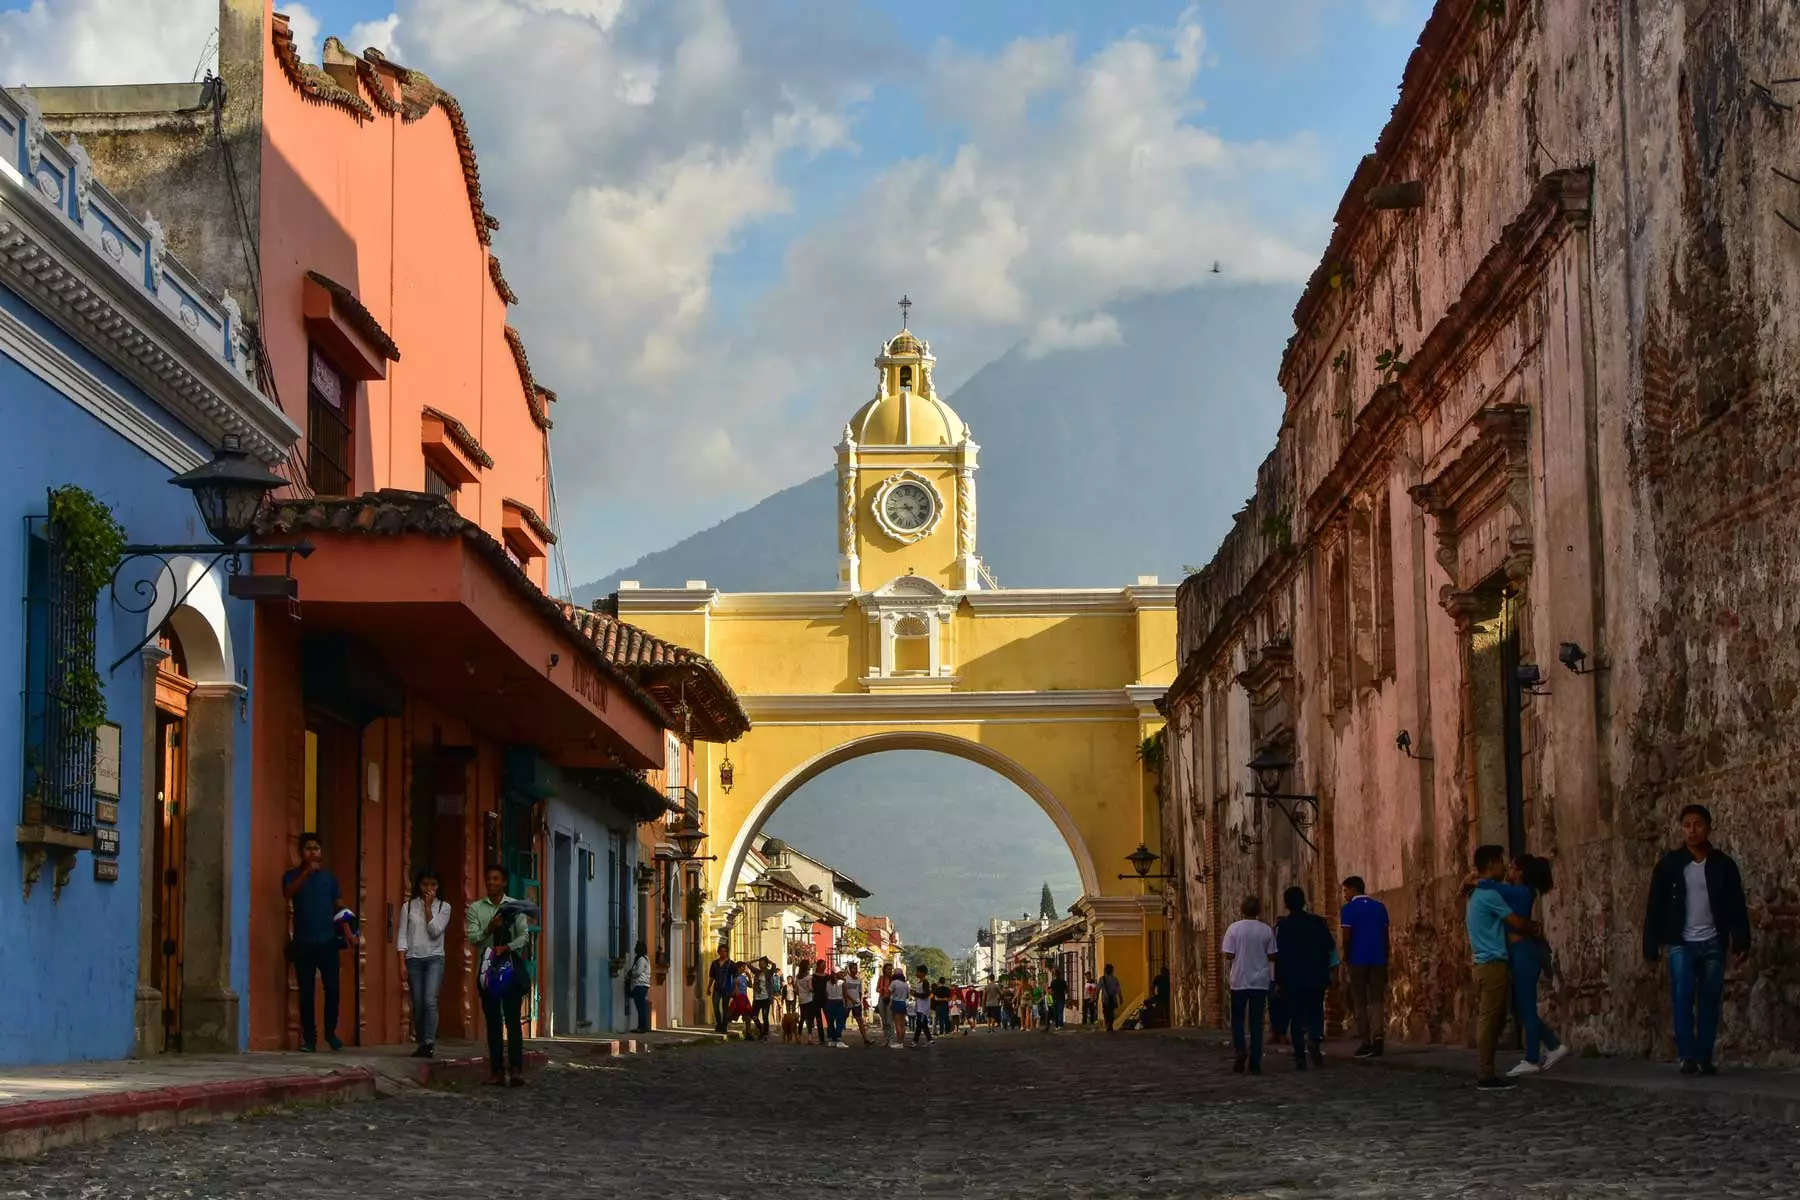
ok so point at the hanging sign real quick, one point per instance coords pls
(106, 763)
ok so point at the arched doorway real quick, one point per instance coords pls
(189, 818)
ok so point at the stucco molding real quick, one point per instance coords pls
(47, 261)
(1492, 469)
(1112, 703)
(887, 487)
(1069, 602)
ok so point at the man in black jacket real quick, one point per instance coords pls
(1697, 910)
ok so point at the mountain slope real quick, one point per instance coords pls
(1096, 465)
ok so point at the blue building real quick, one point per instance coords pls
(126, 742)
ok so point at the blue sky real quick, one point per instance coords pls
(709, 206)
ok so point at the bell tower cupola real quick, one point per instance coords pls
(906, 477)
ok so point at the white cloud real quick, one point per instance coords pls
(1054, 334)
(378, 34)
(305, 28)
(631, 149)
(52, 42)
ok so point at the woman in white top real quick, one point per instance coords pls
(898, 991)
(421, 946)
(853, 1000)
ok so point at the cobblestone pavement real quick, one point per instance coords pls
(989, 1115)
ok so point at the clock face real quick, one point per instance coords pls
(908, 507)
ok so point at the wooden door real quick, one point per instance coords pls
(173, 688)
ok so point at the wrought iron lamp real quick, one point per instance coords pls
(229, 491)
(1269, 765)
(687, 836)
(1141, 860)
(725, 773)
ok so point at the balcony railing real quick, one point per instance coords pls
(685, 799)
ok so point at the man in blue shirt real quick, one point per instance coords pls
(1364, 921)
(1488, 916)
(317, 899)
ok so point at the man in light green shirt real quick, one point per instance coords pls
(508, 934)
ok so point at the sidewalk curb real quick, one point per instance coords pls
(434, 1072)
(30, 1128)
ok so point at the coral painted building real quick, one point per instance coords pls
(422, 702)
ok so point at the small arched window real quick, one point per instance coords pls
(905, 377)
(912, 645)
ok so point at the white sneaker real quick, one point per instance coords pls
(1525, 1067)
(896, 1046)
(1552, 1057)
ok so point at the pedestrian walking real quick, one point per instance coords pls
(719, 975)
(922, 1006)
(1111, 992)
(743, 1001)
(1488, 917)
(836, 1011)
(899, 994)
(1059, 999)
(316, 939)
(1302, 973)
(803, 992)
(637, 982)
(853, 1001)
(768, 990)
(1697, 911)
(940, 1005)
(496, 923)
(421, 945)
(991, 1001)
(1527, 879)
(1364, 921)
(1249, 946)
(821, 984)
(1090, 1000)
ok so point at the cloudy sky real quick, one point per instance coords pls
(711, 206)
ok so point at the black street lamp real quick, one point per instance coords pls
(1141, 860)
(229, 491)
(1269, 765)
(687, 836)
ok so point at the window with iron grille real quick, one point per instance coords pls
(59, 639)
(330, 406)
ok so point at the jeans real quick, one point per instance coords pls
(1110, 1007)
(1278, 1015)
(1368, 997)
(640, 1000)
(1527, 959)
(940, 1015)
(1056, 1013)
(921, 1027)
(762, 1013)
(424, 976)
(812, 1018)
(505, 1019)
(1247, 1018)
(1696, 974)
(836, 1016)
(1306, 1018)
(721, 1011)
(320, 959)
(1491, 980)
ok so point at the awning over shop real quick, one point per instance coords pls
(456, 620)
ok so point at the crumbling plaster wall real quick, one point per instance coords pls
(1651, 340)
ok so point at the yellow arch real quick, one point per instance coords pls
(963, 748)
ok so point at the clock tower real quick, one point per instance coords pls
(906, 479)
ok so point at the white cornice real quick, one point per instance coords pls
(1000, 602)
(664, 600)
(1145, 696)
(1152, 595)
(1050, 601)
(71, 250)
(928, 707)
(783, 604)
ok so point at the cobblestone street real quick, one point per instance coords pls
(986, 1115)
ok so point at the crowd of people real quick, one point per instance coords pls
(819, 1001)
(1696, 914)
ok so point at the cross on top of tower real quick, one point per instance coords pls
(905, 309)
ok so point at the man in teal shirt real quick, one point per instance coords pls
(1488, 917)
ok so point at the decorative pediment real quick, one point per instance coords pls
(1270, 670)
(1481, 501)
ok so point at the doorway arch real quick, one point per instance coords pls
(944, 743)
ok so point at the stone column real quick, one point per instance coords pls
(209, 1008)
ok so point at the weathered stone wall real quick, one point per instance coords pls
(1550, 394)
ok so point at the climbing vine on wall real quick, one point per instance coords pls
(88, 543)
